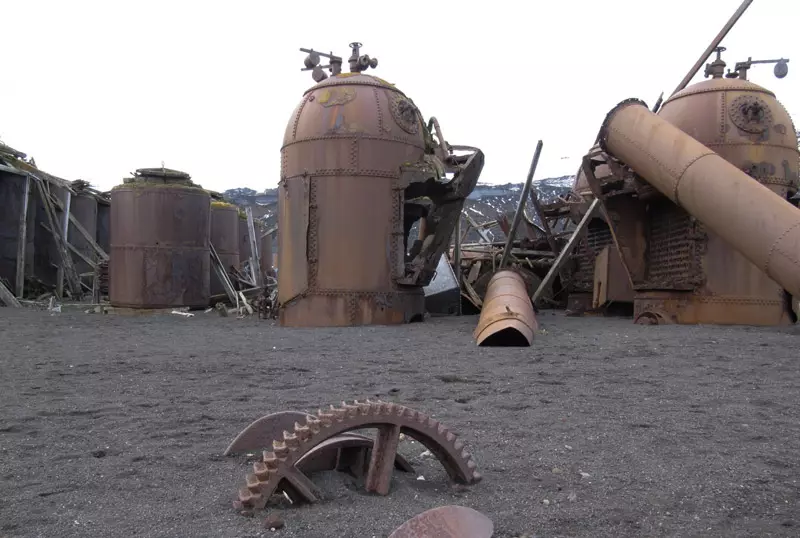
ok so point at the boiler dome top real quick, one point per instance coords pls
(358, 79)
(720, 85)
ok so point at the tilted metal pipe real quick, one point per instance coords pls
(751, 218)
(507, 317)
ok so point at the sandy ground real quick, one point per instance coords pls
(115, 426)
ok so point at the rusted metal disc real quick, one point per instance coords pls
(260, 433)
(446, 522)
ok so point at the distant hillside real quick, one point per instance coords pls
(486, 202)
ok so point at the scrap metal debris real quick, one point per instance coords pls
(277, 471)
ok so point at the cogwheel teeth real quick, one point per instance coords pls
(268, 474)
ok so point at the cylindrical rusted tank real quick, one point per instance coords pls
(84, 208)
(160, 227)
(340, 216)
(225, 238)
(753, 232)
(507, 317)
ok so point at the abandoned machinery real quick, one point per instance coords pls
(359, 167)
(709, 235)
(281, 469)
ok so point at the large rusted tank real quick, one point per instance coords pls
(682, 268)
(340, 220)
(160, 227)
(225, 238)
(746, 125)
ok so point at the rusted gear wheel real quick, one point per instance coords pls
(277, 469)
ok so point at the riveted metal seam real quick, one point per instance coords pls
(297, 117)
(774, 248)
(680, 176)
(364, 136)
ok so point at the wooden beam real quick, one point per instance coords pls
(7, 297)
(81, 230)
(65, 234)
(73, 280)
(22, 238)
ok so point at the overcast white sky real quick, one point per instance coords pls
(96, 89)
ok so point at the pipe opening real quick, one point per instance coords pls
(509, 337)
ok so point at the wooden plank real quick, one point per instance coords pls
(73, 280)
(22, 238)
(74, 250)
(216, 263)
(81, 230)
(65, 234)
(7, 297)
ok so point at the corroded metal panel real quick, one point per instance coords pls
(224, 235)
(342, 235)
(293, 216)
(160, 256)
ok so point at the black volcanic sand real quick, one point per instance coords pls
(114, 426)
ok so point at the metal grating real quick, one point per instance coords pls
(598, 236)
(672, 259)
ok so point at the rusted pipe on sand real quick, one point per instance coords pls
(751, 218)
(507, 317)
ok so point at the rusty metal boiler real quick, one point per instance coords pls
(340, 210)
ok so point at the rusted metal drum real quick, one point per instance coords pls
(83, 207)
(507, 317)
(340, 216)
(225, 238)
(160, 227)
(746, 125)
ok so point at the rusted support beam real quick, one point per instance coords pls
(714, 44)
(457, 259)
(521, 205)
(255, 257)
